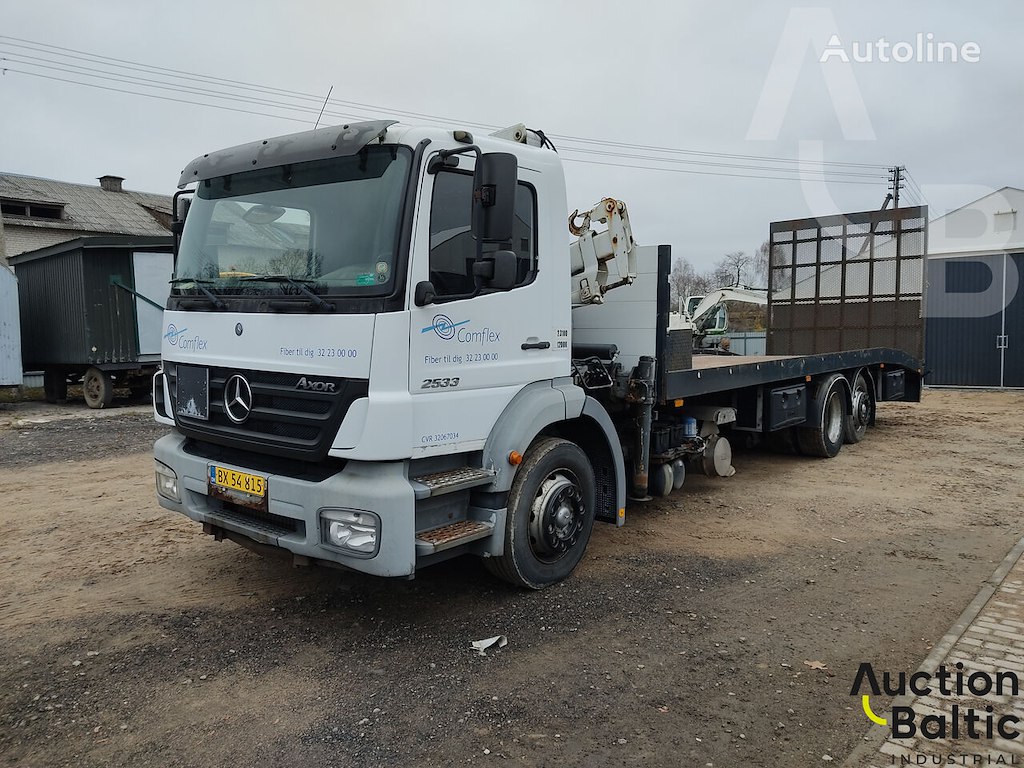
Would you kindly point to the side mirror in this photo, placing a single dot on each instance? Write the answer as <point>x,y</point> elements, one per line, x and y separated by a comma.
<point>183,204</point>
<point>424,293</point>
<point>494,197</point>
<point>504,266</point>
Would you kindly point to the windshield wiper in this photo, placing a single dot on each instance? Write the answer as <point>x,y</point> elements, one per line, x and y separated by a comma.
<point>199,284</point>
<point>300,284</point>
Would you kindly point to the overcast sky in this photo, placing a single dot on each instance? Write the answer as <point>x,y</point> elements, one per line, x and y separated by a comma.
<point>713,77</point>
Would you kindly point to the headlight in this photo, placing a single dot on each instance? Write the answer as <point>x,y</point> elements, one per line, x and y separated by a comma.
<point>355,531</point>
<point>166,482</point>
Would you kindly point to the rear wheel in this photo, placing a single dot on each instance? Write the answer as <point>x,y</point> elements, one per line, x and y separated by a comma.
<point>856,425</point>
<point>825,438</point>
<point>98,388</point>
<point>550,516</point>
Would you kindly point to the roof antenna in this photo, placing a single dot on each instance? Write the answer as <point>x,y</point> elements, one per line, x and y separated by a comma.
<point>317,123</point>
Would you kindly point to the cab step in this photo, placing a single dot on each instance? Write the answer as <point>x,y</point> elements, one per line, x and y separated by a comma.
<point>451,480</point>
<point>451,535</point>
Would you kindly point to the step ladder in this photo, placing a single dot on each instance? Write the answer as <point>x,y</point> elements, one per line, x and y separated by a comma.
<point>461,531</point>
<point>450,480</point>
<point>451,535</point>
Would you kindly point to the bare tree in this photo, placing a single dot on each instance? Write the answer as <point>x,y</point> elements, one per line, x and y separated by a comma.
<point>772,266</point>
<point>761,267</point>
<point>734,263</point>
<point>680,280</point>
<point>685,281</point>
<point>704,283</point>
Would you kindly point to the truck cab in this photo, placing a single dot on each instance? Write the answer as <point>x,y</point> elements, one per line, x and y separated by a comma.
<point>368,329</point>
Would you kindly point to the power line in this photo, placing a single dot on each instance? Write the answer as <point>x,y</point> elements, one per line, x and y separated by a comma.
<point>796,169</point>
<point>831,171</point>
<point>153,95</point>
<point>146,83</point>
<point>36,46</point>
<point>708,173</point>
<point>719,154</point>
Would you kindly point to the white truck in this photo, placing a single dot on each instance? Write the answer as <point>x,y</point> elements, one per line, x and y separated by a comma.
<point>708,315</point>
<point>377,355</point>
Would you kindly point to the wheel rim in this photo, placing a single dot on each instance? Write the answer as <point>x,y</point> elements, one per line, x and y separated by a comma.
<point>861,404</point>
<point>556,516</point>
<point>834,418</point>
<point>93,387</point>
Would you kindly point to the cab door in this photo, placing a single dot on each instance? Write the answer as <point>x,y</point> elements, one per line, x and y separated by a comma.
<point>470,356</point>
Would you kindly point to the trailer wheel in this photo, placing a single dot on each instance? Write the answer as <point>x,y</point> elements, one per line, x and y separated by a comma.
<point>825,438</point>
<point>550,516</point>
<point>98,388</point>
<point>55,386</point>
<point>856,425</point>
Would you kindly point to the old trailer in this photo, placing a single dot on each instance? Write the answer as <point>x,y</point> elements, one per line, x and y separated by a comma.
<point>91,311</point>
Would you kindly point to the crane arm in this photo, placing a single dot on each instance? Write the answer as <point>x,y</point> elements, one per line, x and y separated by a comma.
<point>601,261</point>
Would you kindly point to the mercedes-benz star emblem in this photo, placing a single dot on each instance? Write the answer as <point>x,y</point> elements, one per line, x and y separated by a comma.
<point>237,398</point>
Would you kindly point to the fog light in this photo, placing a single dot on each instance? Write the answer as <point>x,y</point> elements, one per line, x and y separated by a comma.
<point>166,482</point>
<point>355,531</point>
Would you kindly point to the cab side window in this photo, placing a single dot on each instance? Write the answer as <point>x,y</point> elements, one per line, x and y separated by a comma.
<point>452,247</point>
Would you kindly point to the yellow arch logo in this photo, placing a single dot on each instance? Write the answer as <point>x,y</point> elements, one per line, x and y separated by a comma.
<point>865,702</point>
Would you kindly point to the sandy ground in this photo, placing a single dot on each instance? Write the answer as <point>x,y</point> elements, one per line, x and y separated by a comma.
<point>129,638</point>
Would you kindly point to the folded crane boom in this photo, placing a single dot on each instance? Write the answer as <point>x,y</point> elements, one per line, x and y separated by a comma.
<point>601,261</point>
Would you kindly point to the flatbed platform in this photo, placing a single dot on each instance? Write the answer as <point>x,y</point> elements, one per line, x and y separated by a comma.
<point>719,373</point>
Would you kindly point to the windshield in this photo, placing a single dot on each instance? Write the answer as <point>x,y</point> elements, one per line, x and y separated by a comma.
<point>331,224</point>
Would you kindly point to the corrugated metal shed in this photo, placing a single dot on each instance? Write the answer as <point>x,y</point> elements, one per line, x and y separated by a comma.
<point>974,306</point>
<point>75,309</point>
<point>10,333</point>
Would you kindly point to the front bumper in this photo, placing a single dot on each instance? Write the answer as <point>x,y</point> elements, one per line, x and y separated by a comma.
<point>293,518</point>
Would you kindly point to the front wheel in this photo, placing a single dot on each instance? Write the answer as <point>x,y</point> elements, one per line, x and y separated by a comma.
<point>550,516</point>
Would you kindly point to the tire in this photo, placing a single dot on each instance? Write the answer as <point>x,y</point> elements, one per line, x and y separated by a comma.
<point>857,423</point>
<point>55,386</point>
<point>98,388</point>
<point>678,474</point>
<point>825,439</point>
<point>555,479</point>
<point>662,480</point>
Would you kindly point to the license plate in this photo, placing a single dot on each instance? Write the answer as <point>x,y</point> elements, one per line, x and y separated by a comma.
<point>233,480</point>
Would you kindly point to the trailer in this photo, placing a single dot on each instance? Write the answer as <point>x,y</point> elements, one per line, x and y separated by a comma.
<point>91,312</point>
<point>10,331</point>
<point>377,355</point>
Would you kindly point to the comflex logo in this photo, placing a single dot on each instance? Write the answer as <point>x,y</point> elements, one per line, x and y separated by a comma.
<point>176,338</point>
<point>962,721</point>
<point>173,332</point>
<point>443,326</point>
<point>446,329</point>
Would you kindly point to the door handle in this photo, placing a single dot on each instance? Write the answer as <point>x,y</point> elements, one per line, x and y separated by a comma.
<point>536,345</point>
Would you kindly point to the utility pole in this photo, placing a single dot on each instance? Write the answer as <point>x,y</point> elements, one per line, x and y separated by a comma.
<point>896,183</point>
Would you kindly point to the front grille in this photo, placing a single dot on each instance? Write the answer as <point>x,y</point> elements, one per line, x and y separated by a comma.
<point>266,522</point>
<point>284,421</point>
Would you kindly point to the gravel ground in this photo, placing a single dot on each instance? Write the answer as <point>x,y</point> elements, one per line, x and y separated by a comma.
<point>695,635</point>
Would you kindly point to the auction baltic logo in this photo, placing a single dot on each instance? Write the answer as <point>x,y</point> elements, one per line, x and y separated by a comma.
<point>924,50</point>
<point>962,723</point>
